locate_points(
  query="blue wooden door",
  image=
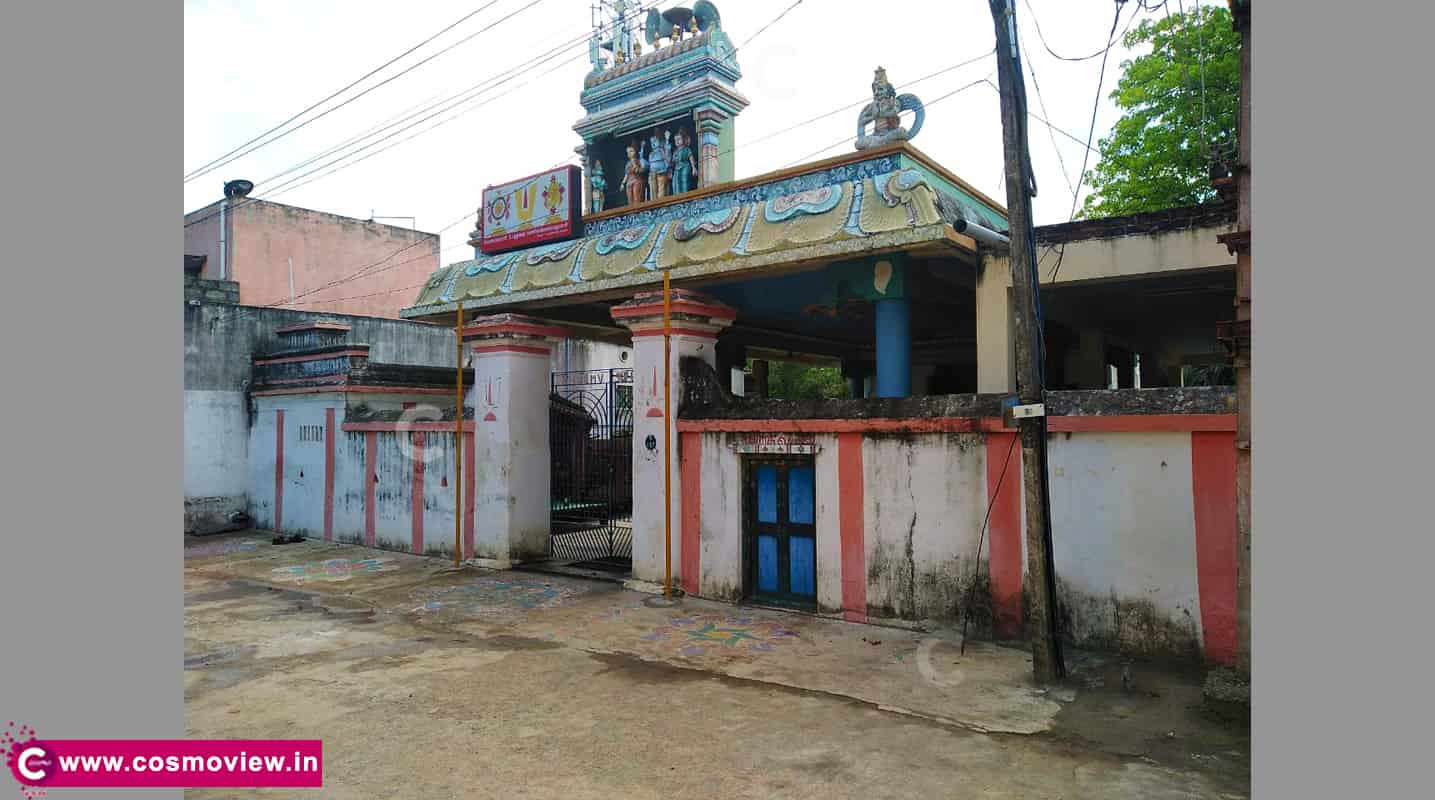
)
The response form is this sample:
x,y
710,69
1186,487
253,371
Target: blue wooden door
x,y
780,530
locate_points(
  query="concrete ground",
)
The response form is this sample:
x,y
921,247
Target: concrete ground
x,y
428,681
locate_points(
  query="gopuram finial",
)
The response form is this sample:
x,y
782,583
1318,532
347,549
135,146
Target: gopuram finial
x,y
701,18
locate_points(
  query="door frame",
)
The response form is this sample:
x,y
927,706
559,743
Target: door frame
x,y
750,531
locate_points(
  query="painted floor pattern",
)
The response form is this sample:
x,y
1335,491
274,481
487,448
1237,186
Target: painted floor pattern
x,y
695,635
333,570
495,597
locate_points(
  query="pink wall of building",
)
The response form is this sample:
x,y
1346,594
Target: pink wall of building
x,y
201,238
375,269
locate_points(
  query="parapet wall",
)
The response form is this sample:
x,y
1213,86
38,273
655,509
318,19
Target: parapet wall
x,y
1142,486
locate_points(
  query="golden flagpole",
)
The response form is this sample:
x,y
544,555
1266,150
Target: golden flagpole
x,y
667,441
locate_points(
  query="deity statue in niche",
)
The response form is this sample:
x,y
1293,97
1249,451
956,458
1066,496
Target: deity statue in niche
x,y
685,163
659,164
599,186
677,34
632,184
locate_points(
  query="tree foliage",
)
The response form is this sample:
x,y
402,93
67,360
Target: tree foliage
x,y
1157,155
791,380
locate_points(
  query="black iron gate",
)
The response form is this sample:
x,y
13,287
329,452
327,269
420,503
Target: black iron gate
x,y
591,440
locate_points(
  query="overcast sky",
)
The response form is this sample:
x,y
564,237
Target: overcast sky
x,y
250,64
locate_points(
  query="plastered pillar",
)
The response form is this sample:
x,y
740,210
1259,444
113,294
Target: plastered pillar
x,y
509,397
696,320
711,159
996,332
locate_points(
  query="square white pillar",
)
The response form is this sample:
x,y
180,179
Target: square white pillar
x,y
510,401
695,321
996,328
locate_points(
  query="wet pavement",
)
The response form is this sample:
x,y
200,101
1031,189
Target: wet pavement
x,y
571,677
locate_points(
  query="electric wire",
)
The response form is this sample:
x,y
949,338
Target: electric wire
x,y
347,87
210,168
501,78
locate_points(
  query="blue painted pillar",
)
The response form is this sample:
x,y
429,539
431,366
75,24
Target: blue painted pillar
x,y
894,348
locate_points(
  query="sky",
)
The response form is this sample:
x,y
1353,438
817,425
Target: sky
x,y
249,65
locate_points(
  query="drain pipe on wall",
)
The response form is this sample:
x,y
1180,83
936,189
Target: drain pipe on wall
x,y
222,243
981,234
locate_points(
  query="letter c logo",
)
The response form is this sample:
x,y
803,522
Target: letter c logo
x,y
22,763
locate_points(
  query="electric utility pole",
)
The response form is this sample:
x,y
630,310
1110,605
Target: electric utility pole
x,y
1046,658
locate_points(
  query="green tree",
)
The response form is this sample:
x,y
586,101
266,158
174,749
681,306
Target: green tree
x,y
1157,155
791,380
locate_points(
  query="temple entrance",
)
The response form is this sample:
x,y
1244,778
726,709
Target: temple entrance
x,y
779,530
591,447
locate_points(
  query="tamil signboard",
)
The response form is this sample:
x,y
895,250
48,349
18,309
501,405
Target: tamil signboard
x,y
546,207
774,443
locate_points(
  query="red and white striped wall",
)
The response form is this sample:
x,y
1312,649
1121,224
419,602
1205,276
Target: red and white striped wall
x,y
1143,518
382,484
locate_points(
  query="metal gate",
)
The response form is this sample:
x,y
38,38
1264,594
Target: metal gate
x,y
591,440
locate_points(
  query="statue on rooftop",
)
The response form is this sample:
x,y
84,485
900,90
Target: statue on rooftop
x,y
595,54
701,18
622,39
883,114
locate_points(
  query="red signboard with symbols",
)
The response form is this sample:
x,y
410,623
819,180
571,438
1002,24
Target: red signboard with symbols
x,y
547,207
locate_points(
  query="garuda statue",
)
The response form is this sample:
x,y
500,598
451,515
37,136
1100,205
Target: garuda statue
x,y
883,115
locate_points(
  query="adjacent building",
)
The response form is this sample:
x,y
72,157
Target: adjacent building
x,y
288,257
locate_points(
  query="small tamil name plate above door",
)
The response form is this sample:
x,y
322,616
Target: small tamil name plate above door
x,y
775,443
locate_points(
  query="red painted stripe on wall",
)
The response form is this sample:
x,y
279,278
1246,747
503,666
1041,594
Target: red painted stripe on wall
x,y
328,474
1004,532
371,479
279,470
1142,423
468,477
321,388
851,527
416,514
1133,423
706,334
427,426
512,348
1213,490
690,463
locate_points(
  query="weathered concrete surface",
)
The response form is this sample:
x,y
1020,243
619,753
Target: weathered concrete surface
x,y
219,342
425,681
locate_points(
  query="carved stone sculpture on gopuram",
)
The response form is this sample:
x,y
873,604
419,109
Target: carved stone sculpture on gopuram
x,y
883,114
